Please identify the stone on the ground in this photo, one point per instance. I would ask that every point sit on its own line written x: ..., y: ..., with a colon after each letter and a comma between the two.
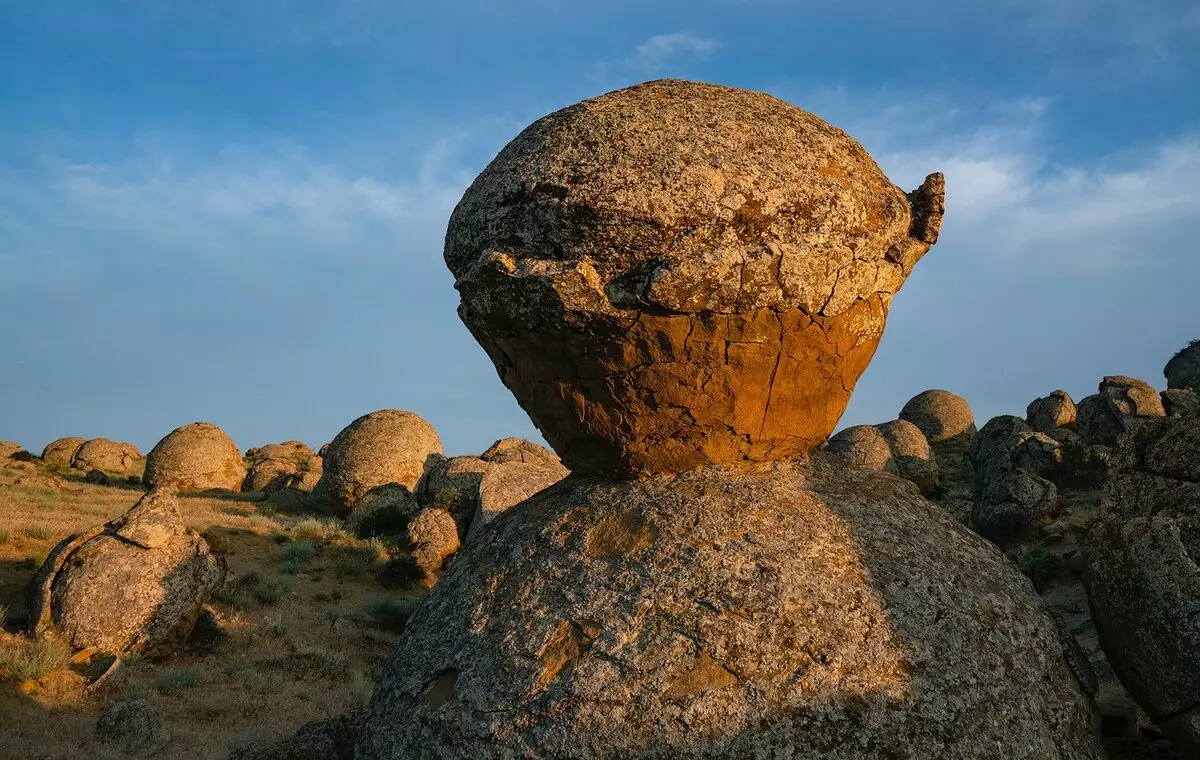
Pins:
x: 452, y: 484
x: 133, y: 725
x: 325, y: 739
x: 98, y: 477
x: 110, y: 456
x: 135, y: 584
x: 661, y: 297
x: 60, y: 452
x: 942, y: 416
x: 1054, y: 411
x: 841, y: 615
x: 1014, y: 503
x: 387, y: 446
x: 991, y: 448
x: 196, y: 457
x: 1183, y: 369
x: 432, y: 539
x: 269, y: 474
x: 1142, y: 571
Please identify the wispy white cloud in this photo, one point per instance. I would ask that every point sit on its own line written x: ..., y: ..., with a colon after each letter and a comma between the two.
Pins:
x: 655, y: 56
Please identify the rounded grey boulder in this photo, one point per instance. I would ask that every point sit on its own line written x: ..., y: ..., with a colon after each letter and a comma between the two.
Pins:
x: 1054, y: 411
x: 106, y: 455
x: 60, y: 452
x: 133, y: 725
x: 942, y: 416
x: 196, y: 457
x: 662, y: 617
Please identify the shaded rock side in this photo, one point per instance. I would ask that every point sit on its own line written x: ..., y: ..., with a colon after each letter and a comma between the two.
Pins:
x: 137, y: 583
x: 106, y: 455
x: 1183, y: 369
x: 386, y: 446
x: 133, y: 725
x: 823, y: 613
x: 663, y: 288
x: 897, y: 447
x: 945, y: 418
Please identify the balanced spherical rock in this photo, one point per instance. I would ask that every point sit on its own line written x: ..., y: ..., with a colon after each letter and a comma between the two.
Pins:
x: 294, y: 451
x: 133, y: 725
x: 432, y: 538
x: 137, y: 583
x: 1054, y: 411
x: 661, y: 296
x: 1143, y: 576
x: 110, y: 456
x: 1183, y: 370
x: 1178, y: 402
x: 943, y: 417
x: 387, y: 446
x: 664, y: 618
x: 269, y: 474
x: 196, y: 457
x: 60, y: 452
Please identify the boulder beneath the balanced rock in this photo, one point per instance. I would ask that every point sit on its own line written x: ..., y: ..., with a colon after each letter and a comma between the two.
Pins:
x: 945, y: 418
x: 136, y: 584
x: 897, y: 447
x: 663, y: 288
x: 60, y: 452
x: 387, y: 446
x: 784, y: 610
x: 194, y: 458
x: 106, y: 455
x: 1142, y: 571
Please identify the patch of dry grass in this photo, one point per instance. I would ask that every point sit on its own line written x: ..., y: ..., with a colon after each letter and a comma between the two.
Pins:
x: 296, y: 647
x: 26, y: 659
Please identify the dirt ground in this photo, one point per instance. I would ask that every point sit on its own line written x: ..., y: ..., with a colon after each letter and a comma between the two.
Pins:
x: 304, y: 625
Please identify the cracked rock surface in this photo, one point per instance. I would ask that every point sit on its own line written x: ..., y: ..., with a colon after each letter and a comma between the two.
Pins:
x: 679, y: 274
x: 776, y: 610
x: 1143, y: 573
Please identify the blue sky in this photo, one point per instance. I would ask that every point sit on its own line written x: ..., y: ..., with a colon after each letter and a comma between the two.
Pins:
x: 233, y: 211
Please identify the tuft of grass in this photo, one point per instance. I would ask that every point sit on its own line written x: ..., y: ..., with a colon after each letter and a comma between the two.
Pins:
x: 3, y: 537
x: 393, y: 614
x: 174, y: 679
x: 30, y: 659
x: 447, y: 498
x: 39, y: 532
x: 276, y: 627
x: 295, y: 555
x: 314, y: 530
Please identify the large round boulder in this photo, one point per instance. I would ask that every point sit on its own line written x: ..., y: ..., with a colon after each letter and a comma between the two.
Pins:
x: 196, y: 457
x: 387, y: 446
x: 60, y: 452
x: 663, y: 288
x: 1142, y: 571
x: 1183, y: 370
x: 136, y: 584
x: 1054, y: 411
x: 106, y: 455
x: 842, y: 616
x: 943, y: 417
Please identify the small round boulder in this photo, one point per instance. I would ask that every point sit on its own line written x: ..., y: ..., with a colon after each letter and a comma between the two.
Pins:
x: 387, y: 446
x: 942, y: 416
x: 1054, y: 411
x: 193, y: 458
x: 60, y: 452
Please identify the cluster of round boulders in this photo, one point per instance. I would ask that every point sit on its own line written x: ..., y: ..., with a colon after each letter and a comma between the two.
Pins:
x: 1121, y: 404
x: 106, y: 455
x: 61, y: 452
x: 1054, y: 411
x: 195, y: 458
x: 387, y: 446
x: 136, y: 584
x: 474, y: 490
x: 1142, y: 571
x: 683, y: 282
x: 1183, y: 369
x: 898, y: 447
x: 944, y: 418
x: 660, y: 295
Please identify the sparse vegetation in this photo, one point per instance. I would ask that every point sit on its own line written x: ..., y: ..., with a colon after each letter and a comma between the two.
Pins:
x: 3, y: 536
x: 392, y: 614
x: 1041, y: 566
x: 30, y: 660
x: 172, y: 680
x: 39, y: 532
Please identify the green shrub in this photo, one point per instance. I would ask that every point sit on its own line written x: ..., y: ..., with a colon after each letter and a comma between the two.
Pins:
x: 393, y: 614
x: 1041, y: 566
x: 313, y: 530
x: 295, y: 555
x: 39, y: 532
x: 174, y: 679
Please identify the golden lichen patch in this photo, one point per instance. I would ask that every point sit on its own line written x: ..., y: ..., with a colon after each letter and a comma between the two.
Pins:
x: 566, y: 644
x: 705, y: 674
x: 621, y: 535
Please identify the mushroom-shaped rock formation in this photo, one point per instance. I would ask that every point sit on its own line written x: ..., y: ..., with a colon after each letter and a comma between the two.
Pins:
x: 60, y: 452
x: 663, y: 286
x: 684, y: 276
x: 196, y: 457
x: 137, y: 583
x: 106, y: 455
x: 944, y: 418
x: 387, y: 446
x: 1142, y: 571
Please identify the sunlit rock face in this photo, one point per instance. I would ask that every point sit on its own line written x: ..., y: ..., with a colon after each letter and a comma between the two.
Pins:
x: 680, y: 274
